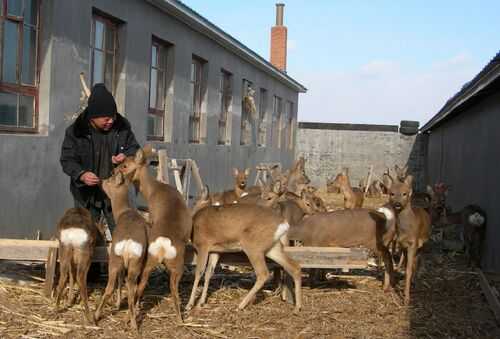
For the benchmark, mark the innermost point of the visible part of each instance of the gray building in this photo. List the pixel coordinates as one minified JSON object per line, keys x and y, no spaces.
{"x":463,"y":144}
{"x":177,"y":77}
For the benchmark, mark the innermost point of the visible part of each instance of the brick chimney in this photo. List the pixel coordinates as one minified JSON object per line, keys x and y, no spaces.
{"x":278,"y":40}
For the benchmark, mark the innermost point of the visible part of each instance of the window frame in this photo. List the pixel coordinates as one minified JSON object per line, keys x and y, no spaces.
{"x":195,"y":115}
{"x":277,"y":120}
{"x":225,"y":109}
{"x":290,"y":124}
{"x":114,"y":24}
{"x":20,"y":88}
{"x":261,"y":128}
{"x":245,"y":116}
{"x":161,"y":47}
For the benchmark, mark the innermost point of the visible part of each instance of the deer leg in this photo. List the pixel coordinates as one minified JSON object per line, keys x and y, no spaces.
{"x":151,"y":263}
{"x":132,"y":276}
{"x":388,"y":269}
{"x":410,"y":263}
{"x":63,"y":277}
{"x":258,"y":261}
{"x":176,"y":271}
{"x":81,"y":275}
{"x":212,"y":263}
{"x":71,"y":291}
{"x":402,"y":259}
{"x":201,"y":262}
{"x":119,"y":290}
{"x":277,"y":254}
{"x":115,"y":268}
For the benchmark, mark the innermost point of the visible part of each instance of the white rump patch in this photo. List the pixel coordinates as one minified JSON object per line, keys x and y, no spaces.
{"x":162,"y":248}
{"x":128,"y":247}
{"x":476,"y":219}
{"x":389,"y":214}
{"x":73,"y":236}
{"x":281,"y":230}
{"x":235,"y":202}
{"x":244,"y":194}
{"x":217,"y":203}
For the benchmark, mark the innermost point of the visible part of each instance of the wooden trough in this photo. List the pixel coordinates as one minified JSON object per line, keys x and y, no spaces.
{"x":307,"y":257}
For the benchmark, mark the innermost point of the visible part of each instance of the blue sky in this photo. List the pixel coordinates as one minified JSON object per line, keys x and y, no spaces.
{"x":370,"y":61}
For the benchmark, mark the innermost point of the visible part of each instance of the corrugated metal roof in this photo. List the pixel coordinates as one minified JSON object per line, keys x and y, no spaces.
{"x":470,"y":89}
{"x":199,"y":23}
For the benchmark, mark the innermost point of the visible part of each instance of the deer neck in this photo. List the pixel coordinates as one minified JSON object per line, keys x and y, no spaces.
{"x":146,"y":183}
{"x":238,"y":190}
{"x":120,"y":205}
{"x":346,"y":189}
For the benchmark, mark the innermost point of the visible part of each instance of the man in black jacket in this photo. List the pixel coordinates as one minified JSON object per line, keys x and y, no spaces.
{"x":99,"y":139}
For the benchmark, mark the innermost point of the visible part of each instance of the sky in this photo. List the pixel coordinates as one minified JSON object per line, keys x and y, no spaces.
{"x":370,"y":61}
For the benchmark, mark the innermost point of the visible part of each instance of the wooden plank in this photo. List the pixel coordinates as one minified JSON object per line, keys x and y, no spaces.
{"x":177,"y":176}
{"x":50,"y":271}
{"x":32,"y":250}
{"x":196,"y":175}
{"x":489,"y":294}
{"x":162,"y":174}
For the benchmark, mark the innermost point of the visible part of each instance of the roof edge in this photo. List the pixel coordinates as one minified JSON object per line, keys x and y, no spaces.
{"x":479,"y":83}
{"x":197,"y":22}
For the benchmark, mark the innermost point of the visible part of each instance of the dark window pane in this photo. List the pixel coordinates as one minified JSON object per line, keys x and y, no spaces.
{"x":154,"y":56}
{"x":11,"y":41}
{"x":153,"y":88}
{"x":110,"y":38}
{"x":99,"y":33}
{"x":109,"y":73}
{"x":29,"y":56}
{"x":161,"y":91}
{"x":98,"y":74}
{"x":8,"y":109}
{"x":30,"y":9}
{"x":151,"y":124}
{"x":26,"y":109}
{"x":14,"y":7}
{"x":155,"y":125}
{"x":162,"y":60}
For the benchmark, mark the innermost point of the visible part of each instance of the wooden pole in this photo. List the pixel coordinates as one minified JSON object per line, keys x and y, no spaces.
{"x":196,"y":174}
{"x":162,"y":174}
{"x":369,"y":180}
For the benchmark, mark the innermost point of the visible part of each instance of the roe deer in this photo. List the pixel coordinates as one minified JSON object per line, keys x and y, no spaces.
{"x":297,"y":176}
{"x":414,"y":227}
{"x":350,"y":228}
{"x":352,"y":199}
{"x":128,"y":247}
{"x":239,"y":190}
{"x":76,"y":232}
{"x":257,"y":229}
{"x":171,"y":223}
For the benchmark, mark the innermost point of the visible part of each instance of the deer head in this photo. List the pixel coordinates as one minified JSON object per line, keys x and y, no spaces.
{"x":240,"y":178}
{"x":400,"y":194}
{"x":401,"y":172}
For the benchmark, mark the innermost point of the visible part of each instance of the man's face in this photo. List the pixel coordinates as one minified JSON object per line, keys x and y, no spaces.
{"x":103,"y":123}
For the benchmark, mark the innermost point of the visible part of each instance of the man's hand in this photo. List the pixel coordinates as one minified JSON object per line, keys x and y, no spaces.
{"x":118,"y":159}
{"x":89,"y":179}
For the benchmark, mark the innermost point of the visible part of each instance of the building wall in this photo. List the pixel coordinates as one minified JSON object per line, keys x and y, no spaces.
{"x":35,"y":191}
{"x":329,"y":150}
{"x":462,"y":153}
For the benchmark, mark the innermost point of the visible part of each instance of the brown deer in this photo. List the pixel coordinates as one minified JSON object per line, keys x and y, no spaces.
{"x":352,"y":199}
{"x":387,"y":181}
{"x":128,"y":248}
{"x":171,"y":223}
{"x":297,"y":176}
{"x":350,"y":228}
{"x":240,"y":184}
{"x":77,"y":233}
{"x":401,"y":172}
{"x":414,"y":227}
{"x":257,"y":229}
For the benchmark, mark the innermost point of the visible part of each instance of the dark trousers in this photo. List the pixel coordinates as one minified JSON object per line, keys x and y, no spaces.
{"x":98,"y":212}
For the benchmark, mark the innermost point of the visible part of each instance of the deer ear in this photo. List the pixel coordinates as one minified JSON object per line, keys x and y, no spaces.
{"x":140,"y":157}
{"x":204,"y":193}
{"x":247,"y":172}
{"x":235,"y":172}
{"x":409,"y":181}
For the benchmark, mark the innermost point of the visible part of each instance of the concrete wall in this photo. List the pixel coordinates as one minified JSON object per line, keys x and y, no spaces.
{"x":330,"y":147}
{"x":462,"y":153}
{"x":34,"y":190}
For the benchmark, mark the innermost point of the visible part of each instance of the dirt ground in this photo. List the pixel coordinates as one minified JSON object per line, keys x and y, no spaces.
{"x":446,"y":303}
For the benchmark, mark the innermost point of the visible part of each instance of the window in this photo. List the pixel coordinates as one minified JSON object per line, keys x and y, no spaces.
{"x":262,"y":117}
{"x":246,"y":111}
{"x":103,"y":52}
{"x":225,"y":98}
{"x":290,"y":124}
{"x":18,"y":80}
{"x":157,"y":90}
{"x":277,"y":121}
{"x":196,"y":79}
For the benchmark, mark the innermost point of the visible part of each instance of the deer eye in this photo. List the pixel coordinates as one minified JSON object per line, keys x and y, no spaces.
{"x":404,"y":194}
{"x":392,"y":194}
